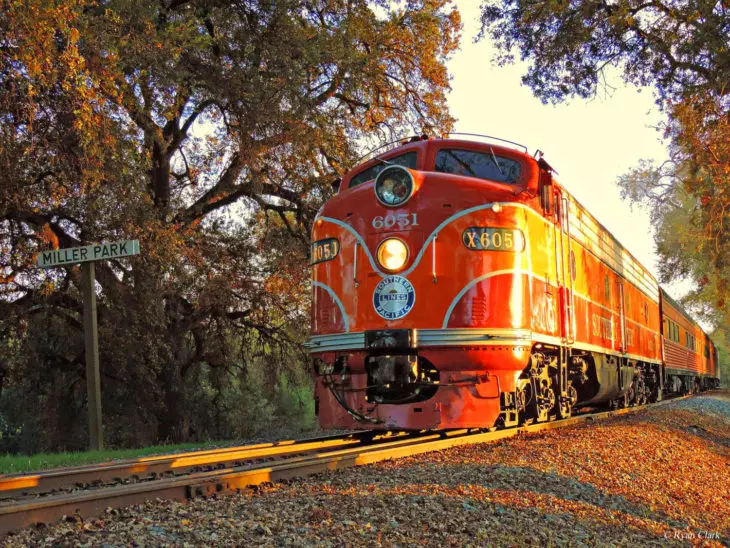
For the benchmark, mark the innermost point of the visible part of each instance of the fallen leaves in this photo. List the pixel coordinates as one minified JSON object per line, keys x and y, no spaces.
{"x":651,"y":478}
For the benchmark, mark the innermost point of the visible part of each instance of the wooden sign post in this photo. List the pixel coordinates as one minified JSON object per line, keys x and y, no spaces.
{"x":88,"y":255}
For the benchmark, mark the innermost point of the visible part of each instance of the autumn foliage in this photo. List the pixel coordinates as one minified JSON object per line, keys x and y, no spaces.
{"x":211,"y":132}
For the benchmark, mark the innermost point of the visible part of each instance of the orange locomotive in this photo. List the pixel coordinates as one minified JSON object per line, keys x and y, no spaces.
{"x":457,"y":284}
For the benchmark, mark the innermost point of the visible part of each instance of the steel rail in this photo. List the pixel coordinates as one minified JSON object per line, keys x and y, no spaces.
{"x":178,"y":463}
{"x":17,"y":514}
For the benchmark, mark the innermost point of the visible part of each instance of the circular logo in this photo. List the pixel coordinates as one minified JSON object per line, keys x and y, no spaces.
{"x":394,"y":297}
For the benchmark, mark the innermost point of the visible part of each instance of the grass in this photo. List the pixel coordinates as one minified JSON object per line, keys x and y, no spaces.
{"x":11,"y":464}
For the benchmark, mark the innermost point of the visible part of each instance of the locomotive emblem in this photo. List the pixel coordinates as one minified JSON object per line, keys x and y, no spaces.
{"x":394,"y":297}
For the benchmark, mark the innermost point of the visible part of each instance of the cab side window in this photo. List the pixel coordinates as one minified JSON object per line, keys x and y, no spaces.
{"x":482,"y":165}
{"x":409,"y":160}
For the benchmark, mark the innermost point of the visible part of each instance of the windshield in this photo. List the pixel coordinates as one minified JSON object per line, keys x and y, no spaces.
{"x":406,"y":160}
{"x":483,"y":165}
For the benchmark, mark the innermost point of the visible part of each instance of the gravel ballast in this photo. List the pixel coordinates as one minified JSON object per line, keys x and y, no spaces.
{"x":658,"y":476}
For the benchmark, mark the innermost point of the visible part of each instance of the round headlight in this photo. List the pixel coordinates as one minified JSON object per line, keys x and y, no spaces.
{"x":393,"y":186}
{"x":392,"y":254}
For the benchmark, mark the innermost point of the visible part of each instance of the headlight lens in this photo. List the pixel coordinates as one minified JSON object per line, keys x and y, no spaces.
{"x":392,"y":254}
{"x":393,"y":186}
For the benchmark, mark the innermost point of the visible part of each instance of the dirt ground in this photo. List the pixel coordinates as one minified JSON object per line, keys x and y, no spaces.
{"x":655,"y":478}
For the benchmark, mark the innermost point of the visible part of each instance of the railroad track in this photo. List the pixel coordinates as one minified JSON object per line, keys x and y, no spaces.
{"x":88,"y":490}
{"x":157,"y":466}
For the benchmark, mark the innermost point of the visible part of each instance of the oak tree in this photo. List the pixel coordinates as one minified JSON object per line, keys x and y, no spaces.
{"x":210,"y":131}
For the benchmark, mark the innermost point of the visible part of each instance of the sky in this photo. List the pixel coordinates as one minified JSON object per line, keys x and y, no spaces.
{"x":590,"y":143}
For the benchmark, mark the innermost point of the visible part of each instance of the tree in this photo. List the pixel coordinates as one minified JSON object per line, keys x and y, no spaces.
{"x":678,"y":46}
{"x":689,"y":204}
{"x":210,"y":131}
{"x":721,"y":338}
{"x":682,"y":49}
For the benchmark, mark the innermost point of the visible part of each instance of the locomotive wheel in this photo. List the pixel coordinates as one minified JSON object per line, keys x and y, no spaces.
{"x":630,"y":396}
{"x":538,"y":398}
{"x":564,"y":406}
{"x":563,"y":409}
{"x":545,"y":401}
{"x":640,"y":391}
{"x":524,"y":400}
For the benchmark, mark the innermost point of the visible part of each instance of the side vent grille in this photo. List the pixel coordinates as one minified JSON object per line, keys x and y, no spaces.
{"x":330,"y":315}
{"x":478,"y":310}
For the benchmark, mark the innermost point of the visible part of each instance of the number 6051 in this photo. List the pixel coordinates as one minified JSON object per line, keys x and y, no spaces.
{"x":391,"y":220}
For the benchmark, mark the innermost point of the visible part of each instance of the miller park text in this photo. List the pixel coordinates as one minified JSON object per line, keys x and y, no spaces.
{"x":94,"y":252}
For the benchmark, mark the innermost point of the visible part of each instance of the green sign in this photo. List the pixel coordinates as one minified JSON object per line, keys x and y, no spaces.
{"x":96,"y":252}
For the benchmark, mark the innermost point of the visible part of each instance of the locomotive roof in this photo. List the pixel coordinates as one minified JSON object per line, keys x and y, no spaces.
{"x":422,"y":143}
{"x":400,"y":143}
